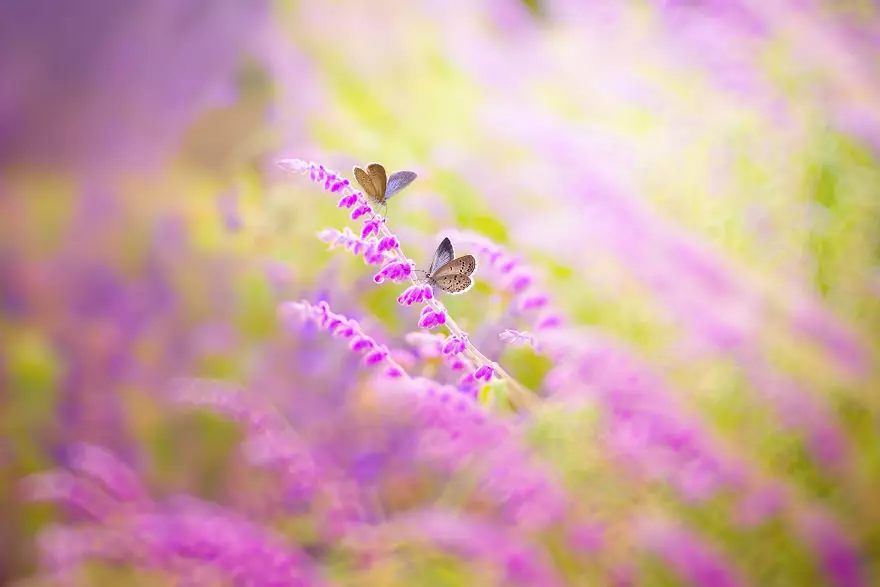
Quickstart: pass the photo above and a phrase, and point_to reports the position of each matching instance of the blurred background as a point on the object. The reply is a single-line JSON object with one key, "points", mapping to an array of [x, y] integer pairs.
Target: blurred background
{"points": [[691, 185]]}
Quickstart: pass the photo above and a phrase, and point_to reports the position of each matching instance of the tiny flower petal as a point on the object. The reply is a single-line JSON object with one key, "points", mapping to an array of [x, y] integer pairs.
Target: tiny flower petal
{"points": [[372, 256], [395, 271], [454, 345], [347, 201], [293, 165], [361, 342], [371, 227], [485, 372], [550, 321], [431, 319], [456, 363], [519, 283], [387, 243], [329, 235], [533, 302], [411, 295], [376, 356], [360, 211]]}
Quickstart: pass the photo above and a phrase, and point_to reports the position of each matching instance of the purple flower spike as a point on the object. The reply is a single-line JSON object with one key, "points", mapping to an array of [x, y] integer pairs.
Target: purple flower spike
{"points": [[342, 327], [485, 373], [368, 247], [347, 201], [396, 271], [360, 211], [515, 278]]}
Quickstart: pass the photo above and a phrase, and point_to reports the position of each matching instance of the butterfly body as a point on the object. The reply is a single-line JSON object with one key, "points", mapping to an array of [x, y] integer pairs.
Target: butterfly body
{"points": [[450, 274], [378, 187]]}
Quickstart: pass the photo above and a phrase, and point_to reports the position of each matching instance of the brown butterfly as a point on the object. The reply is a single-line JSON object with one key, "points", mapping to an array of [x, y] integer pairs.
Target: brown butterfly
{"points": [[378, 187], [449, 274]]}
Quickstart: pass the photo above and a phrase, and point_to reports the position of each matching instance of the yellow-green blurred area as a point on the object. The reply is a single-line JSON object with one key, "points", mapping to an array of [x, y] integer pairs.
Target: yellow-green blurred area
{"points": [[598, 144]]}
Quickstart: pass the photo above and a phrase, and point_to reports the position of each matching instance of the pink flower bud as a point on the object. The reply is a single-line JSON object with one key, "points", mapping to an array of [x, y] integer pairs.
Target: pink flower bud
{"points": [[360, 211]]}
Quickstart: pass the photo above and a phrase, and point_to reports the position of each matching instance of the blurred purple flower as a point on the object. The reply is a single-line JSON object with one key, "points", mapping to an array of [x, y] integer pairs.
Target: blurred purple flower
{"points": [[454, 345], [374, 251], [485, 373], [647, 427], [839, 556], [396, 271], [518, 338], [230, 215], [342, 327], [518, 562], [415, 294], [431, 318], [800, 409], [180, 538], [688, 555], [516, 280], [105, 87]]}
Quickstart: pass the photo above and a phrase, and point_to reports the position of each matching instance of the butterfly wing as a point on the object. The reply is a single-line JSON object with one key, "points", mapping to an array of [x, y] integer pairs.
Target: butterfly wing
{"points": [[442, 255], [398, 181], [464, 265], [366, 182], [453, 283], [380, 180]]}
